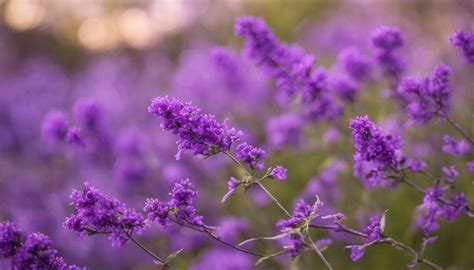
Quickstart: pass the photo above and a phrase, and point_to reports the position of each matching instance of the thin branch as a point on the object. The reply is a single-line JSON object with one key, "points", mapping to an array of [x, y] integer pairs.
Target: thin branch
{"points": [[320, 254], [273, 199], [455, 126], [145, 249]]}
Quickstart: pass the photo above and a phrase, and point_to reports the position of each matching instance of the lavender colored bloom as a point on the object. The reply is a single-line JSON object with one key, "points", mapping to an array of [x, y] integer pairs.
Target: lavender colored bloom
{"points": [[427, 97], [55, 126], [285, 129], [470, 166], [465, 41], [279, 172], [179, 208], [37, 253], [460, 203], [387, 41], [416, 165], [230, 228], [232, 184], [157, 211], [357, 66], [455, 148], [450, 174], [372, 144], [74, 136], [198, 132], [253, 156], [324, 243], [432, 210], [9, 239], [96, 213], [89, 113], [332, 135], [289, 66], [345, 87], [301, 213], [374, 229], [357, 253]]}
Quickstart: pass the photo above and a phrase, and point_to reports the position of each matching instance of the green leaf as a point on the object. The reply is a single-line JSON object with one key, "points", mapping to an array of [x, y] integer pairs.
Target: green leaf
{"points": [[172, 256]]}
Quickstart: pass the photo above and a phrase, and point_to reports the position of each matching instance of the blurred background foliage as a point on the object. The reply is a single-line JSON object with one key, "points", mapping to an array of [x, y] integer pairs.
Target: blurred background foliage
{"points": [[74, 33]]}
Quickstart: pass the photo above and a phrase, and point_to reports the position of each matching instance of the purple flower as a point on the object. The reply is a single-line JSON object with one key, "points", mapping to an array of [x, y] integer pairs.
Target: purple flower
{"points": [[179, 208], [416, 165], [9, 239], [74, 136], [374, 229], [252, 156], [455, 148], [465, 41], [450, 174], [458, 205], [279, 172], [372, 144], [289, 66], [301, 213], [357, 253], [432, 209], [200, 133], [157, 211], [345, 87], [386, 41], [89, 113], [96, 213], [357, 66], [232, 184], [55, 126], [470, 166], [427, 97], [285, 129]]}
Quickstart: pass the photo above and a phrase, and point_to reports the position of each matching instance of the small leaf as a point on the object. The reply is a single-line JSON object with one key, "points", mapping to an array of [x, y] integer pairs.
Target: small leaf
{"points": [[172, 256], [262, 260], [263, 238], [383, 221]]}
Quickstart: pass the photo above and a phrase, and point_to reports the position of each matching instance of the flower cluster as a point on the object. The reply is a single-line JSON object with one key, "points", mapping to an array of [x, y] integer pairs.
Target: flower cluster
{"points": [[200, 133], [465, 41], [356, 65], [427, 97], [290, 67], [372, 145], [98, 214], [179, 209], [386, 41], [302, 216], [253, 156], [433, 208], [456, 148], [56, 128], [279, 172], [34, 252]]}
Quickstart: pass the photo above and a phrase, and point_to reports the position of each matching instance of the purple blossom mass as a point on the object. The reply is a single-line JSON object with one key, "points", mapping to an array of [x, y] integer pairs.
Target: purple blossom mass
{"points": [[266, 113], [253, 156], [455, 148], [465, 42], [387, 41], [279, 173], [178, 209], [98, 214], [200, 133], [427, 97], [372, 144]]}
